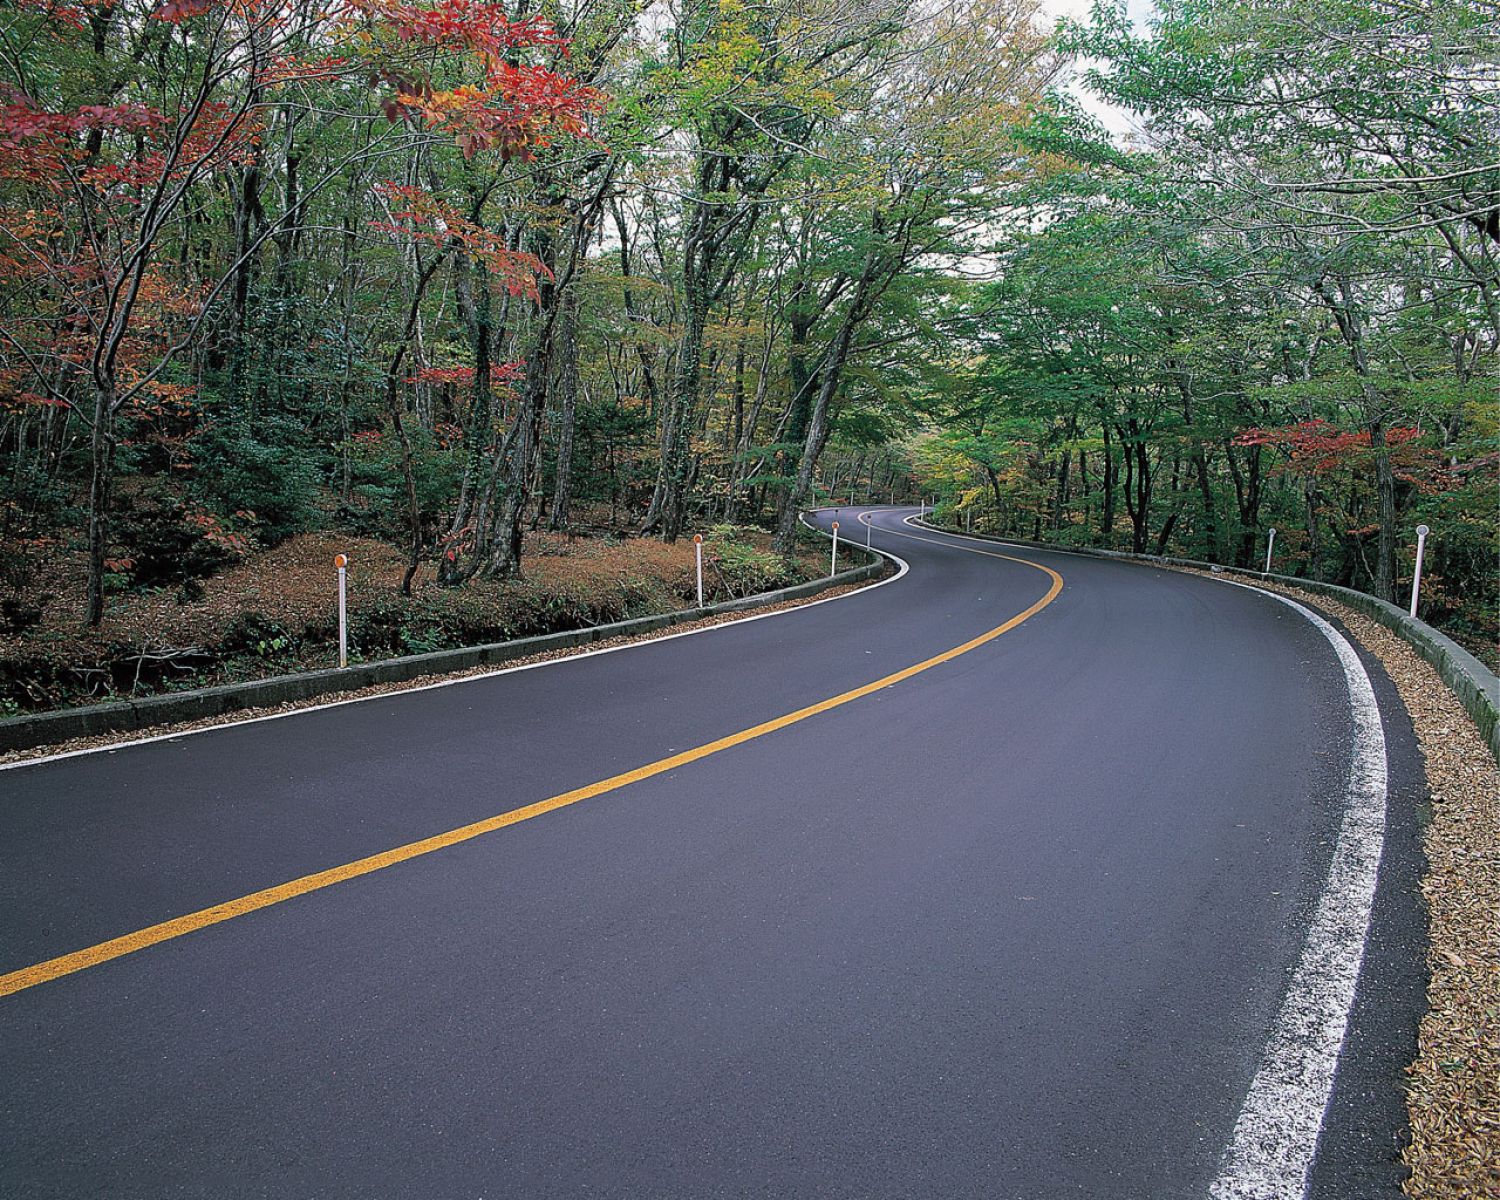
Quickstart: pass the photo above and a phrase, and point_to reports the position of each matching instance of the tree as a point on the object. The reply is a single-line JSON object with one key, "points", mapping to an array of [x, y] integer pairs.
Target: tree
{"points": [[94, 189]]}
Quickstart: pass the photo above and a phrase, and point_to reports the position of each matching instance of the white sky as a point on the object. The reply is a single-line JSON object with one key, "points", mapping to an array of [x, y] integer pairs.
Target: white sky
{"points": [[1116, 121]]}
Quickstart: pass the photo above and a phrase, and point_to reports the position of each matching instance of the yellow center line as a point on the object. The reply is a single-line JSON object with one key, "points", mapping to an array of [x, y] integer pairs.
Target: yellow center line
{"points": [[93, 956]]}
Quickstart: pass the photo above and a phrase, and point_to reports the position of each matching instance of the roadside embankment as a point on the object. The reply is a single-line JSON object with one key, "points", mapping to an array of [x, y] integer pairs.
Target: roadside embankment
{"points": [[91, 723]]}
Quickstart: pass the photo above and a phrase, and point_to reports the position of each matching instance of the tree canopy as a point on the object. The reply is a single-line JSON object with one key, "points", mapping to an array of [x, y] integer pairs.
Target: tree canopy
{"points": [[439, 272]]}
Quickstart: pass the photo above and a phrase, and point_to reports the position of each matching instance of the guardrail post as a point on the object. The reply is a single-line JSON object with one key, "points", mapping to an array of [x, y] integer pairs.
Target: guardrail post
{"points": [[698, 551], [341, 561], [1416, 579]]}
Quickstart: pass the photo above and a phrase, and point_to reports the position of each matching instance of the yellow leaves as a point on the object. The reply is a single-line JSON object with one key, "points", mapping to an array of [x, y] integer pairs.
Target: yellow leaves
{"points": [[440, 104]]}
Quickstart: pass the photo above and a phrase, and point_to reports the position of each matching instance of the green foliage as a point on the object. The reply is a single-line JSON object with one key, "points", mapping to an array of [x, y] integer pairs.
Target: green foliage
{"points": [[270, 472], [379, 486], [1172, 364], [740, 567], [787, 305], [255, 634]]}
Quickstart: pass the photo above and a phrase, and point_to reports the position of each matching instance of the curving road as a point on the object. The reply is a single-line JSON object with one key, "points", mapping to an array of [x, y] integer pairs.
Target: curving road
{"points": [[1022, 920]]}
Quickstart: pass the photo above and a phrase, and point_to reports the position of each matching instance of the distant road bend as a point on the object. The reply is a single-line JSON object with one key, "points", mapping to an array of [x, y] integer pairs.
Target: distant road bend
{"points": [[1019, 875]]}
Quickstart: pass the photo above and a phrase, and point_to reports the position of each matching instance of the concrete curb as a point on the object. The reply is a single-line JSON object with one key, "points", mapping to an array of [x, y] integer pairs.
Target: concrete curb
{"points": [[1475, 685], [125, 716]]}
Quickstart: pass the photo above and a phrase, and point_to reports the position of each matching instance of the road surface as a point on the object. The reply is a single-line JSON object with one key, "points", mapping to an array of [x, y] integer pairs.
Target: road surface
{"points": [[1019, 920]]}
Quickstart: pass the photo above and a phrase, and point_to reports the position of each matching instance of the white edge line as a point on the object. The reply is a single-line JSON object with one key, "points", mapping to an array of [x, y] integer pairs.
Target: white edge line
{"points": [[1276, 1136], [901, 563]]}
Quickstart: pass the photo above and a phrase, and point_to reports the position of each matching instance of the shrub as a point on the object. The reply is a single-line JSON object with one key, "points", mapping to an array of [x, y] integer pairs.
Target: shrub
{"points": [[270, 474], [747, 570], [253, 633], [166, 541]]}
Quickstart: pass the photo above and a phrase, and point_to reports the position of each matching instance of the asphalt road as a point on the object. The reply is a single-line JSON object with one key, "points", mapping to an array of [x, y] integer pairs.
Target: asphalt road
{"points": [[1017, 925]]}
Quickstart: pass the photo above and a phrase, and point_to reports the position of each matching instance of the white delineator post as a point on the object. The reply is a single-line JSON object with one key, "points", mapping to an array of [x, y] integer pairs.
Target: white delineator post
{"points": [[1416, 579], [1270, 545], [868, 524], [833, 563], [698, 550], [341, 561]]}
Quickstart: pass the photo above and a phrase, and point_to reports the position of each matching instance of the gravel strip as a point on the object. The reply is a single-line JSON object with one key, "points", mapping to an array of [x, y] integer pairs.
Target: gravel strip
{"points": [[1453, 1091], [380, 689]]}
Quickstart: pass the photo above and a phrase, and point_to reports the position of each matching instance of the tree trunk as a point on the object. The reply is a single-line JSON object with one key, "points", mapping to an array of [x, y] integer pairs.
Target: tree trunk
{"points": [[1137, 483], [670, 501], [1247, 502], [804, 387], [1206, 496], [1346, 316], [1107, 483], [669, 498], [1385, 490], [665, 514], [101, 491], [408, 475], [510, 506], [524, 441], [1314, 527], [734, 428], [473, 293], [830, 377], [1163, 537], [1060, 499], [398, 423], [567, 383], [247, 212]]}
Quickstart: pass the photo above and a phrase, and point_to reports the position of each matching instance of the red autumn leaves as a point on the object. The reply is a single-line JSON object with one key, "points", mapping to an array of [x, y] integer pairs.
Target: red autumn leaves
{"points": [[513, 106], [1319, 446]]}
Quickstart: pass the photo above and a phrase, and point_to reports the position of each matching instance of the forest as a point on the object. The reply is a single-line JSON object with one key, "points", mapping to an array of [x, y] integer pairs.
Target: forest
{"points": [[475, 282]]}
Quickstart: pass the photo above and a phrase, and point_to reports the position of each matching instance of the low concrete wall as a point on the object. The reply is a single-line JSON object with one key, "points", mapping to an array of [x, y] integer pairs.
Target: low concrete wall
{"points": [[122, 716], [1475, 685]]}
